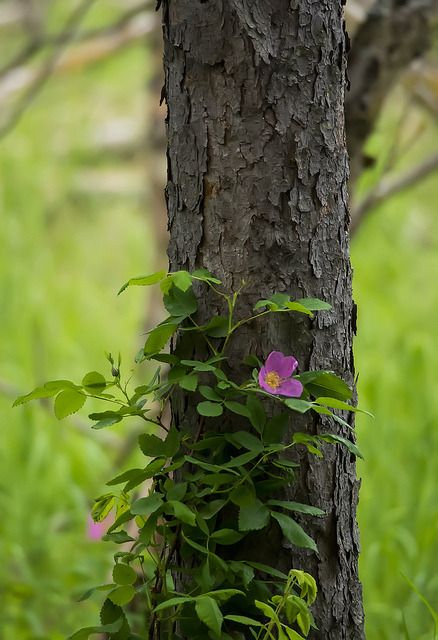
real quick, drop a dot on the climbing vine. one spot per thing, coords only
(213, 470)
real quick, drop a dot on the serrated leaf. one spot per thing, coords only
(93, 382)
(217, 327)
(122, 595)
(180, 303)
(253, 517)
(210, 409)
(84, 633)
(68, 402)
(181, 279)
(123, 574)
(159, 337)
(243, 495)
(209, 613)
(144, 281)
(36, 394)
(293, 532)
(189, 383)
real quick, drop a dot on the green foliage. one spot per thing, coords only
(205, 490)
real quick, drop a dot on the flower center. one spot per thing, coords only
(273, 379)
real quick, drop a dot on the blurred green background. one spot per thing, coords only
(81, 211)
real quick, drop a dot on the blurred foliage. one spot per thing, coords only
(73, 229)
(395, 257)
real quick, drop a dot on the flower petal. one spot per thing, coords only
(274, 361)
(287, 367)
(291, 388)
(262, 383)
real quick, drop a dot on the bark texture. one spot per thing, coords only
(257, 175)
(395, 33)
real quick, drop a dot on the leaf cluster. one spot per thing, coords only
(211, 482)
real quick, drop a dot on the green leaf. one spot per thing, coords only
(264, 568)
(173, 602)
(125, 476)
(93, 382)
(226, 536)
(334, 403)
(122, 595)
(209, 613)
(143, 281)
(301, 406)
(296, 306)
(182, 512)
(257, 413)
(222, 595)
(245, 439)
(296, 506)
(147, 506)
(119, 537)
(209, 394)
(217, 327)
(293, 532)
(244, 620)
(180, 303)
(83, 634)
(239, 461)
(67, 402)
(315, 304)
(36, 394)
(102, 506)
(152, 446)
(189, 383)
(237, 407)
(325, 383)
(243, 495)
(205, 276)
(124, 574)
(335, 439)
(253, 517)
(181, 279)
(211, 409)
(159, 336)
(210, 509)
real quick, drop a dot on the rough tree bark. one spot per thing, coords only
(257, 175)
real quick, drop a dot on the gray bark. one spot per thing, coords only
(257, 175)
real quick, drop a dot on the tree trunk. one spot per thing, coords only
(257, 174)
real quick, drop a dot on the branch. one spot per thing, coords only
(41, 41)
(389, 188)
(393, 35)
(45, 72)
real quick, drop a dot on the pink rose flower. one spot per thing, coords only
(275, 376)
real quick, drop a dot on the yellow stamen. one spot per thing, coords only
(273, 380)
